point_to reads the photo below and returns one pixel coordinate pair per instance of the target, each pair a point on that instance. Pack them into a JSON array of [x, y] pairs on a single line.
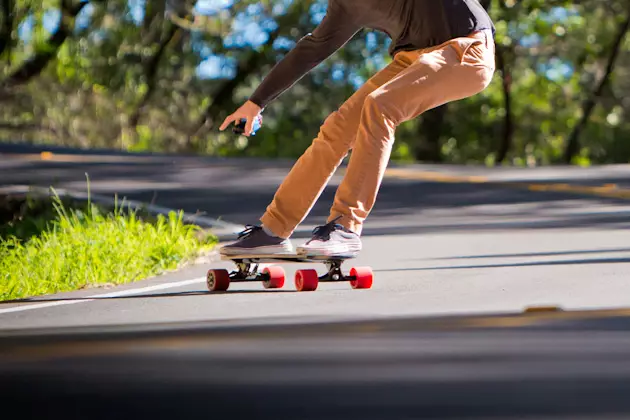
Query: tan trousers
[[413, 83]]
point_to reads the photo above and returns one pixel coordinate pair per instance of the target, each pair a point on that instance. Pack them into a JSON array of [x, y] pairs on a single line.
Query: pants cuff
[[348, 223], [275, 226]]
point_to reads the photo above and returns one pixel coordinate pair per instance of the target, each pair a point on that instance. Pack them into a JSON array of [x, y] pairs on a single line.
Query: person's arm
[[334, 31]]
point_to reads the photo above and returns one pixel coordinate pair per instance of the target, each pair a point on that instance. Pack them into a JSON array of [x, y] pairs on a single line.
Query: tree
[[159, 75], [573, 144]]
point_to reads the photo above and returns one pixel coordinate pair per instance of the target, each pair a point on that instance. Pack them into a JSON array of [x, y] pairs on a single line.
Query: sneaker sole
[[306, 252], [329, 256], [265, 250]]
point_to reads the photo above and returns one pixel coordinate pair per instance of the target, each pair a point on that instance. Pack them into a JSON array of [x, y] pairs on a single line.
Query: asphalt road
[[504, 367], [436, 247], [440, 243]]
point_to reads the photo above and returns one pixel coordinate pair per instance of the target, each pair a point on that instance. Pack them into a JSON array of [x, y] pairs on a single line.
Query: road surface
[[439, 246], [474, 244], [503, 367]]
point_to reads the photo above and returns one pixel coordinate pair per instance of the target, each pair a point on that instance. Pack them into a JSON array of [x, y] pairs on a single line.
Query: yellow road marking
[[432, 176], [538, 309], [605, 190], [68, 158]]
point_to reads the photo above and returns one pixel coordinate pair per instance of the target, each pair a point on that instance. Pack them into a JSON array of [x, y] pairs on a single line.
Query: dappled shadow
[[476, 367], [537, 254], [620, 181], [514, 265], [239, 190], [147, 296]]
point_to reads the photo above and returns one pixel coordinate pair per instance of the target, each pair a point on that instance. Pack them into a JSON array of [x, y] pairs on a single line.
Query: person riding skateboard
[[442, 51]]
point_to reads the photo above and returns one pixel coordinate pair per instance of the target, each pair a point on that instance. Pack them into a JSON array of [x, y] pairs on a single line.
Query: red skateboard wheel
[[218, 280], [306, 280], [363, 277], [276, 277]]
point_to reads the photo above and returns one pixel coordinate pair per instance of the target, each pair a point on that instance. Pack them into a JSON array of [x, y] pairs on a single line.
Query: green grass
[[51, 248]]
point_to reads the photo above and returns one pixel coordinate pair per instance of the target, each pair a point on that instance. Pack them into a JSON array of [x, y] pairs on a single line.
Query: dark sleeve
[[334, 31]]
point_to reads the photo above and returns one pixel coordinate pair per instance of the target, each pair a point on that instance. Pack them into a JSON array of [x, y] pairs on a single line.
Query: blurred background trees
[[162, 75]]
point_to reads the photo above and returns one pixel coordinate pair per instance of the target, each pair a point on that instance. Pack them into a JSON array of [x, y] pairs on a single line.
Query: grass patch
[[56, 245]]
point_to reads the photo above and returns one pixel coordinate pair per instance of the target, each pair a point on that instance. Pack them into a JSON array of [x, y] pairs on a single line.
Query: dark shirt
[[411, 24]]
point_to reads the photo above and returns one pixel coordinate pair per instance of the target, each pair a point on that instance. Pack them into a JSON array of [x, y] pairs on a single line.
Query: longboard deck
[[271, 258]]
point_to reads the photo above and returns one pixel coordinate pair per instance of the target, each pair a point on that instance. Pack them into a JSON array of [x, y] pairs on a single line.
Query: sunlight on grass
[[87, 247]]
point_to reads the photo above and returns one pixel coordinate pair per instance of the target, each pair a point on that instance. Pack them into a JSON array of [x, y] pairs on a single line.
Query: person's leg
[[457, 70], [309, 176], [307, 179]]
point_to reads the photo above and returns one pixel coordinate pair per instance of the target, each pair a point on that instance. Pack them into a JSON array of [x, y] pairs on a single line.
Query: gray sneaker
[[254, 240], [332, 240]]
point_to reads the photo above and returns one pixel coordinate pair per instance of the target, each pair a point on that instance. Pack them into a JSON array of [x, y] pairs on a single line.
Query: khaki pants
[[413, 83]]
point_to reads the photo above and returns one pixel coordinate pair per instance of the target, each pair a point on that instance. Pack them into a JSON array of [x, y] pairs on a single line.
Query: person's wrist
[[254, 104]]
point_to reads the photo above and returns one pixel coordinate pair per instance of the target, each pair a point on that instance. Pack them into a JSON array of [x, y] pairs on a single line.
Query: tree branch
[[251, 64], [36, 64], [151, 69]]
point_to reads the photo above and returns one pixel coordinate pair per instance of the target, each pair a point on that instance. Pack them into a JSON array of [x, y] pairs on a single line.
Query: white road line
[[199, 220], [122, 293], [42, 306], [104, 295]]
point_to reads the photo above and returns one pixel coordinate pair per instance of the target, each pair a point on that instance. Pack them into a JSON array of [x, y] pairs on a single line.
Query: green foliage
[[46, 251], [128, 77]]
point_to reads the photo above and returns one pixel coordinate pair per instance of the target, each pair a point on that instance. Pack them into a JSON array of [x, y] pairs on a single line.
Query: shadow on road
[[240, 190], [524, 264], [551, 366], [145, 296], [538, 254]]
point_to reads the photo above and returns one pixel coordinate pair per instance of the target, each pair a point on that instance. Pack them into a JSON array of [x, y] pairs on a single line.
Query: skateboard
[[272, 277]]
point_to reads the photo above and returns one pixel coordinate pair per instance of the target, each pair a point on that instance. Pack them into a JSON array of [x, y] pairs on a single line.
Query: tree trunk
[[573, 144], [508, 122], [7, 25], [429, 149], [502, 56]]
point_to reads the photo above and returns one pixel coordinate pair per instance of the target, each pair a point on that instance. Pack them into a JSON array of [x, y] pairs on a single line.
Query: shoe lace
[[323, 232], [249, 230]]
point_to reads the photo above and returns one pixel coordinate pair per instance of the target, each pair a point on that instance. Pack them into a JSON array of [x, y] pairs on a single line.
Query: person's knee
[[485, 78], [477, 80], [381, 107], [332, 134]]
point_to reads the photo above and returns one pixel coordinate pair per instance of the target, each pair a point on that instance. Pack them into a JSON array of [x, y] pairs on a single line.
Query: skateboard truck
[[359, 277], [334, 272], [271, 277]]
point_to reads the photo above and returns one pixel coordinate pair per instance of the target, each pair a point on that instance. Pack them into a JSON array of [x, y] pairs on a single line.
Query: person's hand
[[249, 111]]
